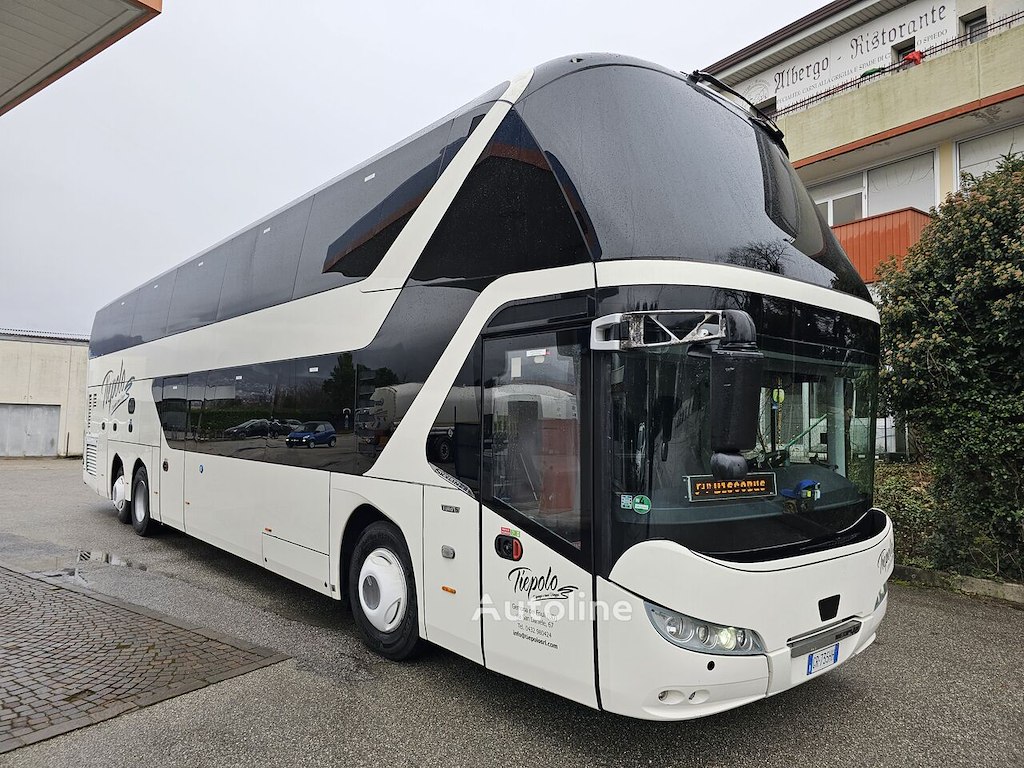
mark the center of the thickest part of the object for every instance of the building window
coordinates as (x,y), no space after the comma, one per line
(975,26)
(901,50)
(906,183)
(976,156)
(847,209)
(840,201)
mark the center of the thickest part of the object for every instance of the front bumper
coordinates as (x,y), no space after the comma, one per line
(643,675)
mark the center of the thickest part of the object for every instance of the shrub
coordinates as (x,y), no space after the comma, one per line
(904,491)
(953,362)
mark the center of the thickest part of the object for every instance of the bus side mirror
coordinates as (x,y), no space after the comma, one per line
(736,368)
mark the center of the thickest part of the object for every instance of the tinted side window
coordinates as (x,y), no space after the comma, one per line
(195,393)
(197,291)
(111,330)
(237,275)
(151,307)
(461,128)
(453,444)
(509,216)
(172,407)
(235,418)
(313,414)
(399,180)
(268,276)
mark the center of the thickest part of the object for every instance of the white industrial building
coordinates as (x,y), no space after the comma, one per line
(42,393)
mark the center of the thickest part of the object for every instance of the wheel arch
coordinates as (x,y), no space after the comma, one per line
(139,464)
(115,464)
(362,517)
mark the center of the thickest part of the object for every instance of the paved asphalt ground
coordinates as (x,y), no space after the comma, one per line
(942,686)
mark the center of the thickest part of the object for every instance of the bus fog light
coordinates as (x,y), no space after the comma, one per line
(703,636)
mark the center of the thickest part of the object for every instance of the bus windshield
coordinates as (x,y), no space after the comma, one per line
(809,478)
(655,167)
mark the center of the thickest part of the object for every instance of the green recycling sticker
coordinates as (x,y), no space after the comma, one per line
(641,505)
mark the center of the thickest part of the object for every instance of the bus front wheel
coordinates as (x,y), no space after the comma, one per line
(382,592)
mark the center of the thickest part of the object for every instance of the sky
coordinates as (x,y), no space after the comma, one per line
(217,112)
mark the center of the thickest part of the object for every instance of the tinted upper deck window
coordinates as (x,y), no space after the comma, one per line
(197,285)
(356,219)
(510,215)
(266,275)
(663,169)
(152,303)
(112,328)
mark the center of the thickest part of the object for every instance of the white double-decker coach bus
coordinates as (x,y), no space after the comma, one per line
(572,383)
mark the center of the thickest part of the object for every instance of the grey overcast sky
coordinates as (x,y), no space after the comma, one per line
(217,112)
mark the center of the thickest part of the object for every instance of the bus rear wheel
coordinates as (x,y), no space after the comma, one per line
(119,495)
(382,592)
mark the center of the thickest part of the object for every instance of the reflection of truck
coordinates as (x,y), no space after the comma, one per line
(376,422)
(551,402)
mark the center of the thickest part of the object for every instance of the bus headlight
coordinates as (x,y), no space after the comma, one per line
(703,636)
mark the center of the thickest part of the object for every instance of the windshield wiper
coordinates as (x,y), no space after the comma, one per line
(697,76)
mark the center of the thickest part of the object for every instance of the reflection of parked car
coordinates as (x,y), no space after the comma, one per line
(280,427)
(312,433)
(250,428)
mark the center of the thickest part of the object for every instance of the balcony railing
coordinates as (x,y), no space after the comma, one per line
(873,74)
(871,241)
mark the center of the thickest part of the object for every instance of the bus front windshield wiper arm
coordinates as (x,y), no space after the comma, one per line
(759,117)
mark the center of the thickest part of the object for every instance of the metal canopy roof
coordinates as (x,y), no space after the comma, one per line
(42,40)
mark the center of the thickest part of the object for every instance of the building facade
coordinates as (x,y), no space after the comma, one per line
(42,393)
(884,106)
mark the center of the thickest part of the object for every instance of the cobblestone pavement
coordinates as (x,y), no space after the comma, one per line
(70,658)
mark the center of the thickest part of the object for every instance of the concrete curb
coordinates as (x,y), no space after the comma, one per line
(1011,593)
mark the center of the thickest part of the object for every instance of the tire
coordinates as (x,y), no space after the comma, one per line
(143,524)
(332,442)
(311,444)
(118,496)
(443,448)
(379,578)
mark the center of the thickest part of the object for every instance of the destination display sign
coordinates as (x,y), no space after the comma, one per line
(707,488)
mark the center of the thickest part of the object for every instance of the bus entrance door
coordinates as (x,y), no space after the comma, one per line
(536,606)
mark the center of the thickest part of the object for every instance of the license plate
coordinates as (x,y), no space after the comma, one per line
(822,659)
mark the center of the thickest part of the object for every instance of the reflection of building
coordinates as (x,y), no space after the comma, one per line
(42,393)
(878,133)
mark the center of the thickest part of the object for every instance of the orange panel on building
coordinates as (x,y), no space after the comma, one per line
(871,241)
